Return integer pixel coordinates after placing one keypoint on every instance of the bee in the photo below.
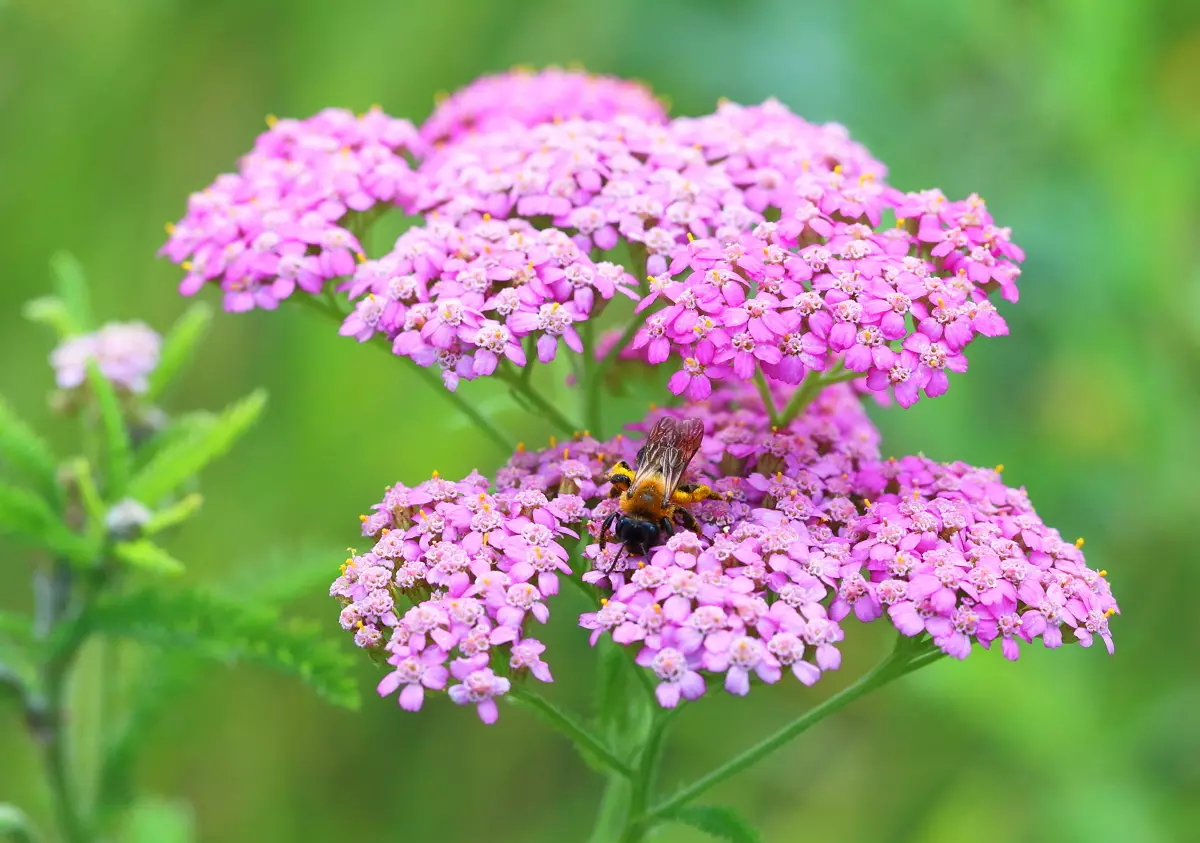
(651, 495)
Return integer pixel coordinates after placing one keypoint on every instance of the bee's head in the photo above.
(637, 534)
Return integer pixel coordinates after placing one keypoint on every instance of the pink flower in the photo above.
(415, 673)
(677, 679)
(695, 378)
(480, 687)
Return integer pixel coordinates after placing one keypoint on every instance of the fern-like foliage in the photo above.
(206, 625)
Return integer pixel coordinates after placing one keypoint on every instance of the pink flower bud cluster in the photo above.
(950, 550)
(124, 352)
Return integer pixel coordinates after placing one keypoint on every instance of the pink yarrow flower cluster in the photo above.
(762, 242)
(810, 526)
(474, 570)
(281, 223)
(949, 550)
(126, 353)
(465, 295)
(523, 98)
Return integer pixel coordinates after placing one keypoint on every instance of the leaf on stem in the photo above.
(30, 520)
(70, 284)
(145, 555)
(179, 347)
(51, 312)
(209, 626)
(28, 453)
(717, 821)
(118, 452)
(178, 461)
(174, 514)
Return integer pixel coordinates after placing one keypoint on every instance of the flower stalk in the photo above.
(905, 657)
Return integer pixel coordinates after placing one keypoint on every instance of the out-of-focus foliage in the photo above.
(1078, 122)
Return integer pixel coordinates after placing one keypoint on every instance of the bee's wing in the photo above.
(669, 448)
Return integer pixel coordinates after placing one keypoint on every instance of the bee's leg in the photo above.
(665, 526)
(689, 520)
(621, 476)
(692, 493)
(616, 559)
(604, 527)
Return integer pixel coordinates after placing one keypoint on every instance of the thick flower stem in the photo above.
(45, 709)
(638, 822)
(908, 655)
(580, 736)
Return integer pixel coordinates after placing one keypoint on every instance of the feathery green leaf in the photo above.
(218, 628)
(174, 514)
(71, 285)
(118, 453)
(27, 452)
(145, 555)
(30, 520)
(179, 347)
(182, 459)
(717, 821)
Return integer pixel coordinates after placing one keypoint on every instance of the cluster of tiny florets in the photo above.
(761, 242)
(452, 587)
(949, 550)
(282, 222)
(809, 527)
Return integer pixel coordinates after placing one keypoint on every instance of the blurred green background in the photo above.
(1078, 121)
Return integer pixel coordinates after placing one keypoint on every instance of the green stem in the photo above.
(811, 387)
(592, 405)
(908, 655)
(328, 307)
(764, 392)
(614, 810)
(46, 711)
(464, 406)
(637, 821)
(522, 388)
(577, 733)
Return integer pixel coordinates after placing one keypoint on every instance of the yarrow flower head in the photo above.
(807, 526)
(125, 353)
(951, 551)
(760, 242)
(465, 296)
(283, 221)
(523, 98)
(474, 569)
